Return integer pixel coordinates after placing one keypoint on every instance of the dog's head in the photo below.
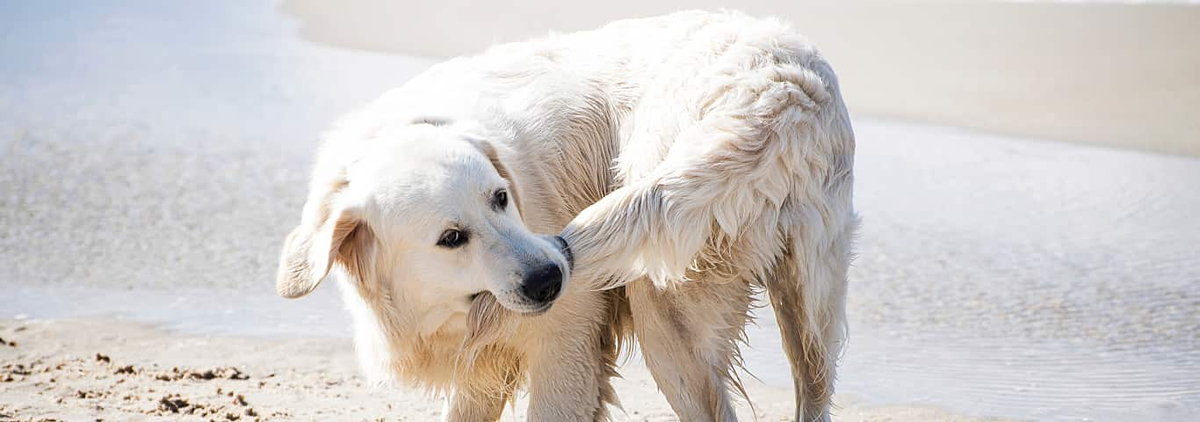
(425, 210)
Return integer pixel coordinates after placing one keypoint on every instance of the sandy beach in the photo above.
(153, 157)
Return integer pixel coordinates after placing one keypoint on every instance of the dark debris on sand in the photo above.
(226, 372)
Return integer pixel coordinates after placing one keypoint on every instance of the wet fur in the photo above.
(688, 160)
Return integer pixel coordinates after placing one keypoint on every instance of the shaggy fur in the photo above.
(686, 161)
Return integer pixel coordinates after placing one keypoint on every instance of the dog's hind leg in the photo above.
(808, 294)
(688, 333)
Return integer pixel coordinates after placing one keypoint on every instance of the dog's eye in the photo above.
(452, 239)
(500, 199)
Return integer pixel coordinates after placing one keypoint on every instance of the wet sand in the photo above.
(1120, 75)
(145, 187)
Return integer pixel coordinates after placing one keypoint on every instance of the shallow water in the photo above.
(155, 156)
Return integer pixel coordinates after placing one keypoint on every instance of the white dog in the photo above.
(684, 160)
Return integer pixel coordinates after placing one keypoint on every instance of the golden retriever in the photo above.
(507, 220)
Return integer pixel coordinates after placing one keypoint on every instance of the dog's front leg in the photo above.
(481, 393)
(461, 406)
(571, 357)
(565, 386)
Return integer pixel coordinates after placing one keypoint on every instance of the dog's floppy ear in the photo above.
(488, 150)
(310, 251)
(326, 231)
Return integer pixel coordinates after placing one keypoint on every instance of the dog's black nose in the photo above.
(542, 285)
(565, 249)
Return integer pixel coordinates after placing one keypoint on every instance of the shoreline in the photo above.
(1110, 74)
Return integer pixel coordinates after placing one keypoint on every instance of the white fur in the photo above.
(687, 159)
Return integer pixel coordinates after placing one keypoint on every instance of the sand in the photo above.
(153, 157)
(1119, 75)
(99, 369)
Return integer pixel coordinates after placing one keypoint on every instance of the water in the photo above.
(152, 158)
(191, 311)
(1063, 379)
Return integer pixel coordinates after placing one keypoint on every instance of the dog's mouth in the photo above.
(485, 299)
(539, 311)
